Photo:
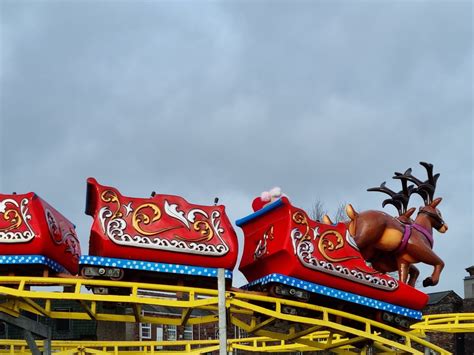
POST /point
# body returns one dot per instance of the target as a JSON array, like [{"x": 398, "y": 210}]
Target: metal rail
[
  {"x": 253, "y": 344},
  {"x": 447, "y": 323},
  {"x": 285, "y": 324}
]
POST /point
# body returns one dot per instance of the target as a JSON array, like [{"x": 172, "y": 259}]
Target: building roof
[
  {"x": 470, "y": 270},
  {"x": 437, "y": 297}
]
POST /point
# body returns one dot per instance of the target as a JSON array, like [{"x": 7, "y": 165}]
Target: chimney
[{"x": 469, "y": 283}]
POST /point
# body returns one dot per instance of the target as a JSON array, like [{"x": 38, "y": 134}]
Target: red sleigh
[
  {"x": 36, "y": 236},
  {"x": 162, "y": 229},
  {"x": 281, "y": 239}
]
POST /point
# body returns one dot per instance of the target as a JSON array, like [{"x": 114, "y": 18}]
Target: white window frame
[
  {"x": 159, "y": 337},
  {"x": 144, "y": 328},
  {"x": 242, "y": 333},
  {"x": 170, "y": 330},
  {"x": 188, "y": 329}
]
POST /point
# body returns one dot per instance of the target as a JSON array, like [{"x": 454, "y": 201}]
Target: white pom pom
[
  {"x": 265, "y": 196},
  {"x": 275, "y": 192}
]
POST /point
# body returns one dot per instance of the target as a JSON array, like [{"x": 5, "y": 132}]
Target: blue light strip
[
  {"x": 151, "y": 266},
  {"x": 272, "y": 206},
  {"x": 332, "y": 292},
  {"x": 29, "y": 259}
]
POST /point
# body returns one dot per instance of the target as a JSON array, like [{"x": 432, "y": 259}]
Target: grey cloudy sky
[{"x": 204, "y": 99}]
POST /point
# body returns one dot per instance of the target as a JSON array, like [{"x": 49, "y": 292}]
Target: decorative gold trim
[
  {"x": 327, "y": 244},
  {"x": 143, "y": 218},
  {"x": 15, "y": 221},
  {"x": 205, "y": 229},
  {"x": 111, "y": 196},
  {"x": 299, "y": 217}
]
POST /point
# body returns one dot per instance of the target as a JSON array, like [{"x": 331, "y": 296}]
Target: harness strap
[
  {"x": 426, "y": 233},
  {"x": 407, "y": 235}
]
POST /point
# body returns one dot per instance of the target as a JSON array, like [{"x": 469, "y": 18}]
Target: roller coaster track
[
  {"x": 260, "y": 344},
  {"x": 448, "y": 323},
  {"x": 275, "y": 324}
]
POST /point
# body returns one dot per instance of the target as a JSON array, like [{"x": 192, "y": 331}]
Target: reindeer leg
[
  {"x": 403, "y": 271},
  {"x": 413, "y": 273},
  {"x": 434, "y": 278},
  {"x": 423, "y": 254}
]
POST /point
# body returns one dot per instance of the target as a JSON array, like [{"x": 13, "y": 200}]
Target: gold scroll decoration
[
  {"x": 300, "y": 218},
  {"x": 15, "y": 220},
  {"x": 326, "y": 244},
  {"x": 204, "y": 229},
  {"x": 111, "y": 196},
  {"x": 142, "y": 217}
]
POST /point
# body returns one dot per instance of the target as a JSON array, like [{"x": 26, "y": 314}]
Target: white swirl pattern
[
  {"x": 115, "y": 230},
  {"x": 261, "y": 248},
  {"x": 17, "y": 237},
  {"x": 304, "y": 251}
]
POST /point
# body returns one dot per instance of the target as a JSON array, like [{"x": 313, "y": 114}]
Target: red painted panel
[
  {"x": 29, "y": 225},
  {"x": 162, "y": 228}
]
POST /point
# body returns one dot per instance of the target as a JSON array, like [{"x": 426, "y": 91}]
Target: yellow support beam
[
  {"x": 113, "y": 347},
  {"x": 448, "y": 323},
  {"x": 90, "y": 310},
  {"x": 10, "y": 308},
  {"x": 254, "y": 326}
]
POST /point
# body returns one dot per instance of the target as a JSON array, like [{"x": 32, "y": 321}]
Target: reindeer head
[
  {"x": 435, "y": 215},
  {"x": 426, "y": 190}
]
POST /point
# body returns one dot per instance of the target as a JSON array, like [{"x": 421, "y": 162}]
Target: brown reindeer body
[
  {"x": 392, "y": 244},
  {"x": 384, "y": 233}
]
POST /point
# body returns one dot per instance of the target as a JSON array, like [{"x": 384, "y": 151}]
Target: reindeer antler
[
  {"x": 406, "y": 191},
  {"x": 398, "y": 199},
  {"x": 429, "y": 186},
  {"x": 426, "y": 188}
]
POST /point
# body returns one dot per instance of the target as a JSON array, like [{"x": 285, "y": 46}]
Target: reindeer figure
[{"x": 392, "y": 244}]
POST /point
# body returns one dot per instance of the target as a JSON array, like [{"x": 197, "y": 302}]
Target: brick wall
[
  {"x": 454, "y": 343},
  {"x": 111, "y": 330},
  {"x": 469, "y": 337}
]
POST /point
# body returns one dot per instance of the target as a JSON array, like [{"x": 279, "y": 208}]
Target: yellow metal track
[
  {"x": 278, "y": 324},
  {"x": 448, "y": 323},
  {"x": 261, "y": 344},
  {"x": 114, "y": 347},
  {"x": 252, "y": 344}
]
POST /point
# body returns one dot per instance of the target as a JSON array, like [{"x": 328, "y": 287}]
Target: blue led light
[
  {"x": 31, "y": 259},
  {"x": 151, "y": 266},
  {"x": 332, "y": 292}
]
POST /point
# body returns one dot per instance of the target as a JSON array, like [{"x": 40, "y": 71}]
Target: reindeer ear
[
  {"x": 327, "y": 219},
  {"x": 409, "y": 212},
  {"x": 436, "y": 202}
]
